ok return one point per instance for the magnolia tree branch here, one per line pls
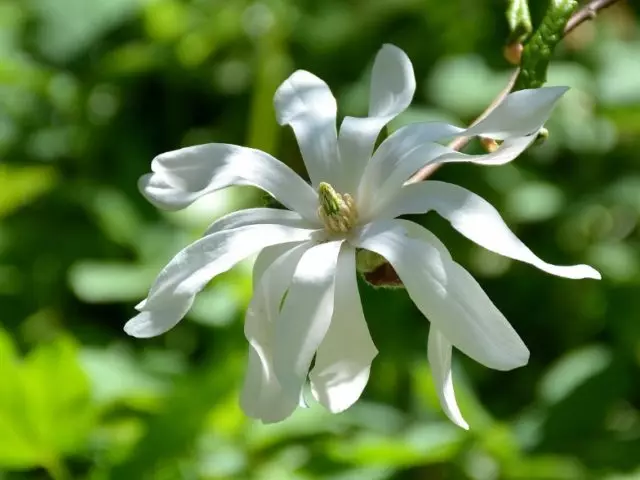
(588, 12)
(385, 275)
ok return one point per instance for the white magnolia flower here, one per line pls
(306, 302)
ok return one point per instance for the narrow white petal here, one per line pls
(477, 220)
(403, 153)
(182, 176)
(261, 396)
(393, 82)
(392, 87)
(173, 292)
(267, 257)
(521, 113)
(343, 360)
(356, 142)
(305, 315)
(516, 120)
(305, 102)
(440, 361)
(255, 216)
(411, 161)
(445, 293)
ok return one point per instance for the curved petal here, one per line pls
(392, 87)
(521, 113)
(305, 102)
(256, 216)
(403, 153)
(182, 176)
(174, 290)
(261, 396)
(446, 294)
(343, 360)
(439, 352)
(393, 82)
(396, 172)
(305, 316)
(516, 120)
(476, 219)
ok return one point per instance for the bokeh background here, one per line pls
(91, 91)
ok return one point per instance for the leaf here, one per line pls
(45, 409)
(58, 397)
(534, 202)
(173, 432)
(69, 26)
(422, 445)
(20, 186)
(97, 282)
(16, 449)
(573, 370)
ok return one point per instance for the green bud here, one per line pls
(539, 49)
(519, 20)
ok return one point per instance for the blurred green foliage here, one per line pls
(90, 91)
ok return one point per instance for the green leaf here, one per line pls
(45, 409)
(69, 26)
(172, 433)
(534, 202)
(20, 186)
(58, 397)
(421, 445)
(16, 448)
(573, 370)
(539, 49)
(519, 20)
(96, 282)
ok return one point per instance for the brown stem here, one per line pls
(588, 12)
(385, 275)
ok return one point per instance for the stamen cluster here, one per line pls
(338, 212)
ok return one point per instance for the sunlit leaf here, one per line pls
(19, 186)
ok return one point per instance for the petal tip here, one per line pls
(390, 47)
(286, 99)
(137, 327)
(462, 424)
(591, 272)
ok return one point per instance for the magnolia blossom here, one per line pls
(305, 301)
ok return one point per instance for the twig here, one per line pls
(588, 12)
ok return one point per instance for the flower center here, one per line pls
(337, 211)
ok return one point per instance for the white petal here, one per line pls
(262, 397)
(411, 160)
(305, 102)
(393, 82)
(521, 113)
(446, 294)
(173, 292)
(343, 360)
(265, 259)
(477, 220)
(403, 153)
(182, 176)
(440, 361)
(305, 315)
(392, 87)
(516, 120)
(255, 216)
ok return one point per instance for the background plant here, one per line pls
(91, 91)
